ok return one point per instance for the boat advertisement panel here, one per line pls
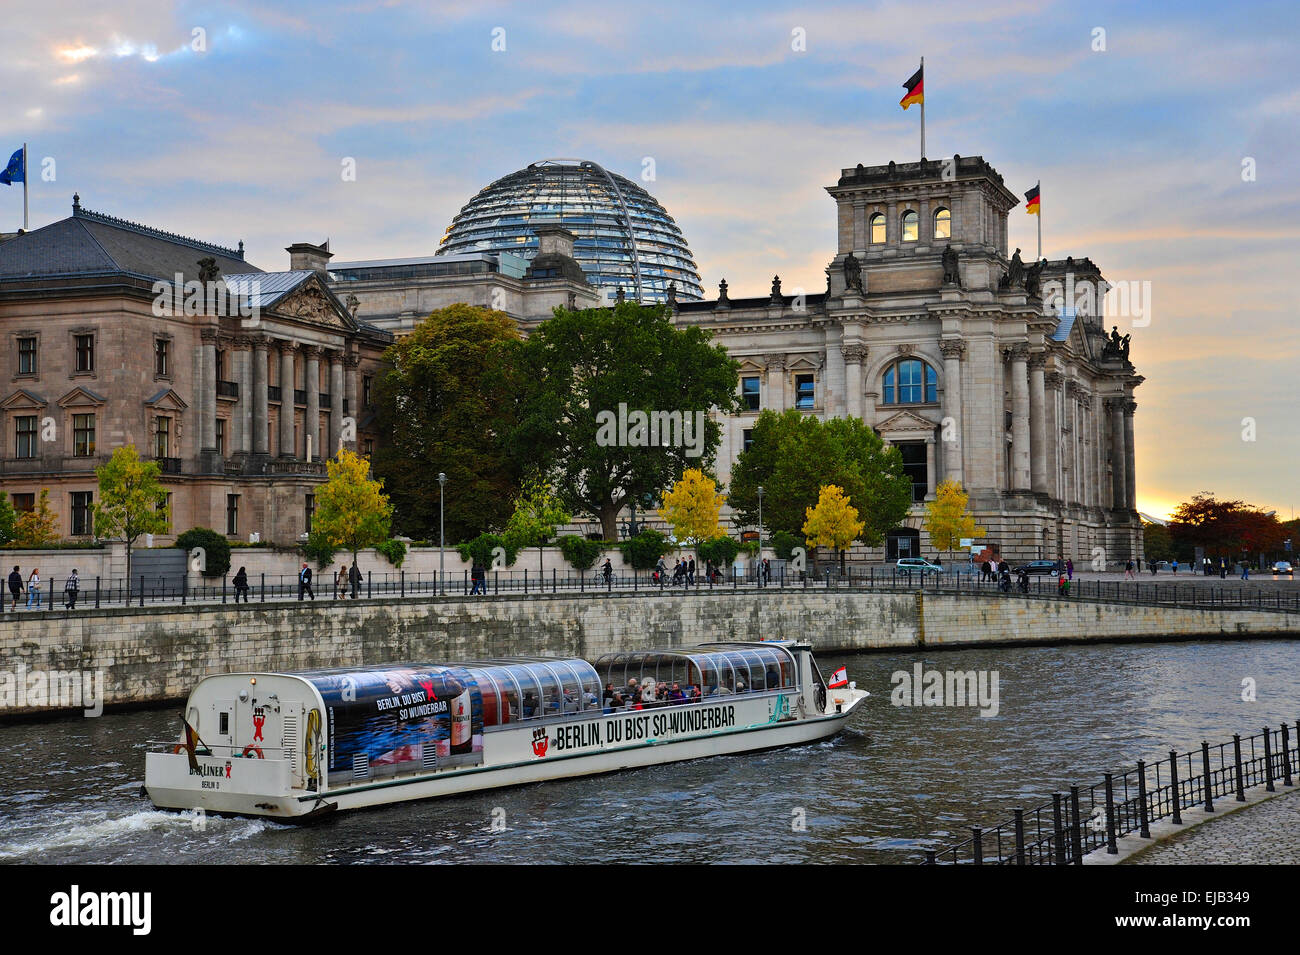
(400, 719)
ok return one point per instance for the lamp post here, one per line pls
(760, 551)
(442, 483)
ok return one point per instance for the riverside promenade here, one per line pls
(1265, 831)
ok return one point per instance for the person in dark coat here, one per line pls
(304, 582)
(70, 590)
(354, 578)
(241, 585)
(15, 586)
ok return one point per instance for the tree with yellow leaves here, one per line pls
(352, 510)
(947, 519)
(693, 506)
(833, 522)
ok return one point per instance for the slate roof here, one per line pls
(91, 243)
(264, 289)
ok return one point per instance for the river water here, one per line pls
(897, 781)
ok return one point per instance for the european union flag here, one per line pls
(16, 171)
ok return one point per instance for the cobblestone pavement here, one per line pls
(1264, 834)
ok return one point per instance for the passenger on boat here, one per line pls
(609, 694)
(720, 690)
(530, 706)
(773, 678)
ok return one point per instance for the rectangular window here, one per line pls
(25, 436)
(309, 510)
(368, 447)
(232, 515)
(27, 356)
(24, 503)
(746, 438)
(749, 393)
(83, 435)
(221, 365)
(163, 439)
(367, 382)
(81, 513)
(160, 357)
(805, 392)
(85, 353)
(221, 437)
(167, 512)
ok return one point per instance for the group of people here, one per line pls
(71, 587)
(345, 579)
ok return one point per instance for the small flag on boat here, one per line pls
(191, 741)
(840, 678)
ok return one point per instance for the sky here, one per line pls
(1162, 134)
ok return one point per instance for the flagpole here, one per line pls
(922, 108)
(26, 176)
(1039, 187)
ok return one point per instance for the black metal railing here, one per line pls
(1284, 601)
(169, 465)
(1084, 820)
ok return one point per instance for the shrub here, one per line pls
(479, 550)
(393, 550)
(215, 545)
(784, 543)
(644, 550)
(318, 548)
(750, 548)
(722, 550)
(580, 552)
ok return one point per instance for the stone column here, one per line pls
(311, 421)
(929, 468)
(288, 447)
(951, 429)
(261, 413)
(354, 411)
(893, 228)
(1019, 416)
(854, 355)
(1130, 473)
(1038, 424)
(1118, 456)
(1052, 429)
(242, 418)
(833, 402)
(336, 402)
(208, 391)
(775, 383)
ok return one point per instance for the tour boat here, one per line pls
(296, 746)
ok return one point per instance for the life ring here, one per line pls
(250, 748)
(178, 749)
(311, 743)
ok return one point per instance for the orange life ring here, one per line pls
(178, 748)
(250, 748)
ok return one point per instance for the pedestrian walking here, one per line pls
(478, 574)
(690, 572)
(241, 585)
(1223, 569)
(986, 571)
(354, 578)
(304, 582)
(15, 586)
(70, 589)
(1174, 565)
(34, 588)
(341, 582)
(1245, 571)
(1069, 568)
(661, 570)
(767, 571)
(1128, 571)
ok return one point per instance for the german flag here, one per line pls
(915, 89)
(1031, 201)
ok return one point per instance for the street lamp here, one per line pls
(442, 483)
(760, 541)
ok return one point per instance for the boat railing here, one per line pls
(209, 749)
(656, 705)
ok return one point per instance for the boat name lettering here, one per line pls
(408, 700)
(625, 729)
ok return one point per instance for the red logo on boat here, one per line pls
(259, 718)
(227, 769)
(428, 690)
(540, 742)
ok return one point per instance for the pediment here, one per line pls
(22, 400)
(801, 363)
(80, 397)
(313, 302)
(906, 421)
(167, 400)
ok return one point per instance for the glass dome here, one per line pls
(625, 238)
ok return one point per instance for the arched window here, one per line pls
(877, 224)
(909, 381)
(942, 224)
(910, 223)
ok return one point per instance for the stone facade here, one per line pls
(138, 344)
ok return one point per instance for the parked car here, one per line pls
(918, 565)
(1038, 568)
(1282, 567)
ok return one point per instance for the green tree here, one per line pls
(8, 520)
(536, 515)
(947, 519)
(692, 507)
(215, 546)
(132, 501)
(579, 368)
(793, 456)
(643, 550)
(444, 407)
(352, 510)
(722, 550)
(833, 522)
(579, 552)
(38, 527)
(481, 550)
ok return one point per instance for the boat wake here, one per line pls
(99, 829)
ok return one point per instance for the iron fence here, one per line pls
(1084, 820)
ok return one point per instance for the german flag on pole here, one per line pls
(1031, 201)
(915, 89)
